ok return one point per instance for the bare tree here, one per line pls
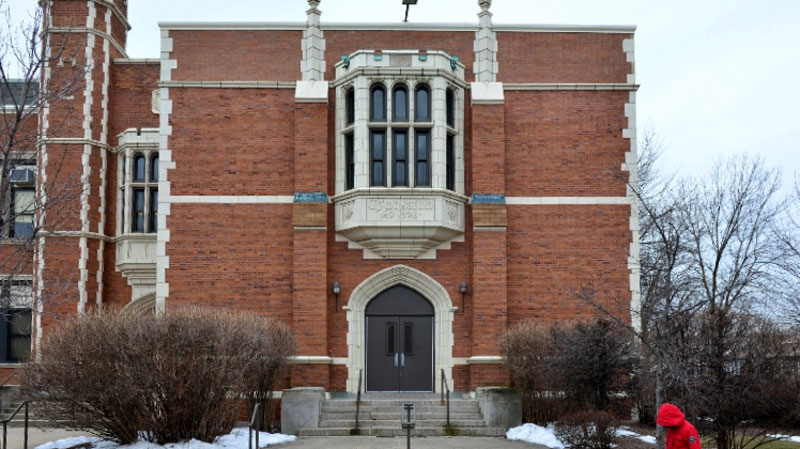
(24, 198)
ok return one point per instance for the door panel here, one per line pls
(382, 353)
(416, 360)
(399, 353)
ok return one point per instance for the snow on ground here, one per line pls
(531, 433)
(237, 439)
(623, 432)
(793, 439)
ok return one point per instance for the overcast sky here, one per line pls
(717, 77)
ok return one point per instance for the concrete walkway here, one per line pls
(400, 443)
(39, 436)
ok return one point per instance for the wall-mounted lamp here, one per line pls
(336, 289)
(463, 289)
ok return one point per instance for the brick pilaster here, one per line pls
(490, 301)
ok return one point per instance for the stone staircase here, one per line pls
(379, 415)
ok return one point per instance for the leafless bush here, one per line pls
(526, 349)
(167, 378)
(591, 362)
(587, 430)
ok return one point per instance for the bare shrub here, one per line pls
(526, 350)
(591, 362)
(587, 430)
(173, 377)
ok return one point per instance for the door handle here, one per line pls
(395, 358)
(402, 359)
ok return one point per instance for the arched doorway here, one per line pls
(399, 341)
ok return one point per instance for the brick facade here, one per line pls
(247, 186)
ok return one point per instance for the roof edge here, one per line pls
(299, 26)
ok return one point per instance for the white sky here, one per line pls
(717, 77)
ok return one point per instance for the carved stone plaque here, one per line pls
(400, 209)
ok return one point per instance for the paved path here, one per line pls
(39, 436)
(400, 443)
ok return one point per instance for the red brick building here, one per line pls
(399, 194)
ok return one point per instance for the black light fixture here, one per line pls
(408, 4)
(463, 289)
(336, 289)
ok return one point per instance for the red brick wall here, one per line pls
(220, 55)
(232, 256)
(562, 58)
(130, 104)
(565, 143)
(232, 141)
(556, 249)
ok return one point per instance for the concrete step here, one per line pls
(399, 432)
(421, 416)
(439, 422)
(397, 402)
(372, 408)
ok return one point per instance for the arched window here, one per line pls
(154, 167)
(143, 190)
(139, 168)
(422, 104)
(377, 104)
(400, 104)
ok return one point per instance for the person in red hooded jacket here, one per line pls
(681, 434)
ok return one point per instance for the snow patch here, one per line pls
(237, 439)
(531, 433)
(793, 439)
(623, 432)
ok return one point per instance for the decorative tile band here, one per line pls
(310, 197)
(490, 198)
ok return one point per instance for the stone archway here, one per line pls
(416, 280)
(146, 305)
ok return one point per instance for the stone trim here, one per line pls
(350, 26)
(92, 32)
(228, 84)
(570, 86)
(130, 61)
(380, 281)
(165, 163)
(142, 306)
(104, 161)
(311, 92)
(74, 141)
(312, 64)
(83, 244)
(487, 93)
(630, 165)
(80, 234)
(485, 360)
(485, 66)
(567, 200)
(311, 360)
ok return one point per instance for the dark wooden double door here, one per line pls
(399, 341)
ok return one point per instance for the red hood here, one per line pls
(670, 416)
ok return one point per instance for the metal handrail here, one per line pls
(446, 391)
(10, 417)
(255, 421)
(358, 401)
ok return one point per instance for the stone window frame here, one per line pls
(361, 84)
(126, 185)
(23, 162)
